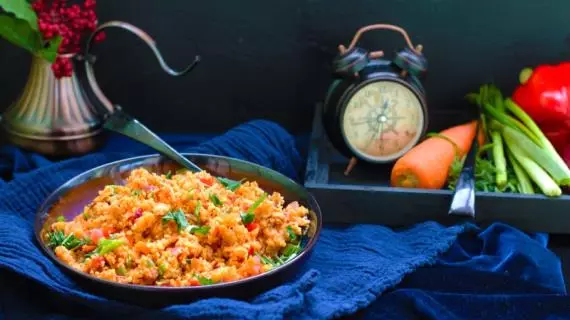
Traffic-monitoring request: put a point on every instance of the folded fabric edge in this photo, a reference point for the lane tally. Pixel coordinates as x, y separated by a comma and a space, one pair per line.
380, 287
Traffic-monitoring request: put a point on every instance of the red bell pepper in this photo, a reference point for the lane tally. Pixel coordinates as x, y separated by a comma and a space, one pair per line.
544, 94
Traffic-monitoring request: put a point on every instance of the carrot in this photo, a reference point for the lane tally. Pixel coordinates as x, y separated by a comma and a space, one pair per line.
426, 166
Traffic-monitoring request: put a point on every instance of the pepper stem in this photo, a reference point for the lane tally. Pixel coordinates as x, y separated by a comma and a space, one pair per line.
525, 75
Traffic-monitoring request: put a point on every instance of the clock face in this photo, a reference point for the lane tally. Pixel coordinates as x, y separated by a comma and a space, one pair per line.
382, 121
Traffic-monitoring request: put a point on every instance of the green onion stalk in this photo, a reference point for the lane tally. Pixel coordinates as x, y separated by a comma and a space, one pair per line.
520, 153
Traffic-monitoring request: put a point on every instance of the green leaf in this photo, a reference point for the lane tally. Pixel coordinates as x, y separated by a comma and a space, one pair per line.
55, 238
49, 53
247, 217
22, 10
19, 33
107, 245
230, 184
266, 260
205, 281
203, 230
169, 175
257, 203
70, 242
197, 210
121, 271
60, 218
288, 253
178, 217
161, 269
215, 200
292, 235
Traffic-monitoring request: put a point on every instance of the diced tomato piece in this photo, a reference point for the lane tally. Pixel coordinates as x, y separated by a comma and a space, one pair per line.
251, 226
96, 263
193, 282
107, 231
207, 180
251, 251
96, 235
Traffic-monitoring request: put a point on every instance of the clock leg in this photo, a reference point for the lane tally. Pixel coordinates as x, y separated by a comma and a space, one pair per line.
350, 166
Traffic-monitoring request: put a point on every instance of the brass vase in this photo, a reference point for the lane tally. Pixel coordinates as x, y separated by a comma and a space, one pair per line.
65, 117
53, 116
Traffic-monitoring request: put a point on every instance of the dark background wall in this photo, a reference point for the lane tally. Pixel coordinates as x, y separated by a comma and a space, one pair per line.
270, 59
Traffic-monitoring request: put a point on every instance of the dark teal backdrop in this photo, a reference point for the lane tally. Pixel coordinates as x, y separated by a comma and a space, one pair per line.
270, 59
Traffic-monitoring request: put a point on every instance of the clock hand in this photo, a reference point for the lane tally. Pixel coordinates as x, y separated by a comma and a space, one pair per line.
395, 118
380, 136
384, 107
372, 137
356, 123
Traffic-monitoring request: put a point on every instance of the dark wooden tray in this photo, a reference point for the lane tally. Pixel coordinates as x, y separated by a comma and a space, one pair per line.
366, 197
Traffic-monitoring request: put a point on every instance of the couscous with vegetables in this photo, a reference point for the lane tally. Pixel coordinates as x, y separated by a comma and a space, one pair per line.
181, 229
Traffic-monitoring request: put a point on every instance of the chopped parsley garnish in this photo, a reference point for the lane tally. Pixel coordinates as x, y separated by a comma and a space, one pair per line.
70, 242
292, 235
149, 263
178, 217
137, 193
290, 252
230, 184
168, 175
86, 215
205, 281
105, 246
197, 210
60, 218
161, 269
203, 230
257, 203
249, 216
215, 200
266, 260
121, 271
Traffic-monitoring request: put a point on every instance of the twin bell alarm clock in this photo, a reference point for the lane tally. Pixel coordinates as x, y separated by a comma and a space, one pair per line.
375, 110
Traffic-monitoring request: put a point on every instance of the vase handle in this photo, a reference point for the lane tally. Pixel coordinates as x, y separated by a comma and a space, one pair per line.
147, 39
89, 60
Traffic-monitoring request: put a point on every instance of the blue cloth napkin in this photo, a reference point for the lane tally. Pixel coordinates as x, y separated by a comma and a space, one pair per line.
355, 271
